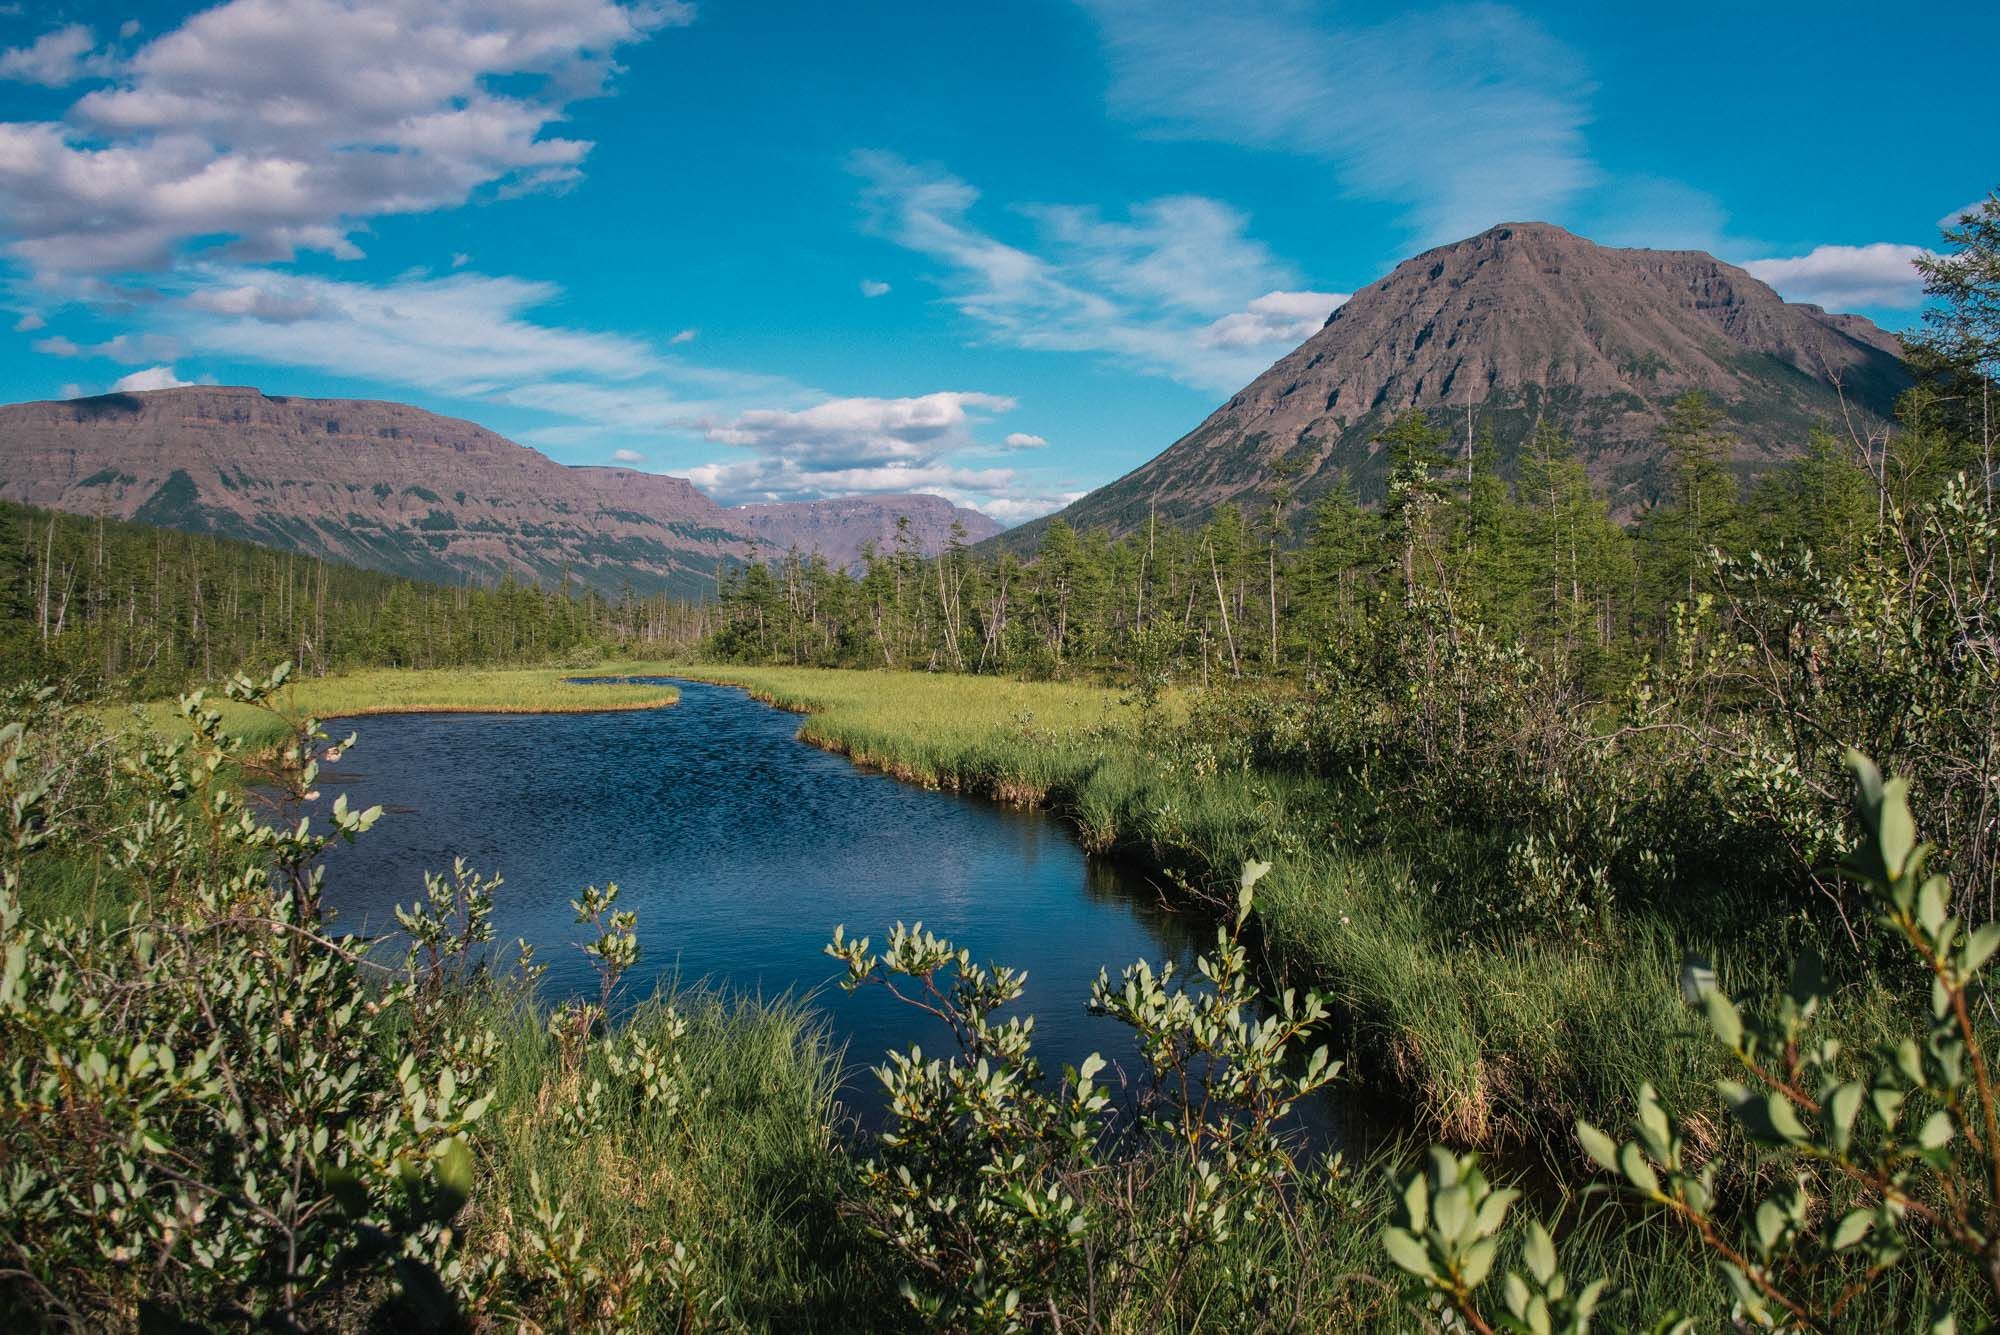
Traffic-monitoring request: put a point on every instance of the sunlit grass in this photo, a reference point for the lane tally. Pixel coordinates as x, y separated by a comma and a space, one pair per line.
408, 691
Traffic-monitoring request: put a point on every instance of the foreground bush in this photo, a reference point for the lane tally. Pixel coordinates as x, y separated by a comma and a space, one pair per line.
217, 1111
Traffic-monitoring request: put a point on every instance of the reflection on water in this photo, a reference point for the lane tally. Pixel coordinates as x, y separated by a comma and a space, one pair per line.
740, 848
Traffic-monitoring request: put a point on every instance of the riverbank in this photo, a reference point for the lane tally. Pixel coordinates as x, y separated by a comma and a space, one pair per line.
411, 691
1491, 1045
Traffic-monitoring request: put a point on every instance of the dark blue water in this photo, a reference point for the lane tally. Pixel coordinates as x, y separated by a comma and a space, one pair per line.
740, 848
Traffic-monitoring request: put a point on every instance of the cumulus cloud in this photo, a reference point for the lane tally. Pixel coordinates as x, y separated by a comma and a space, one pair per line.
153, 377
29, 322
1464, 116
459, 259
874, 287
1276, 317
58, 57
684, 336
1141, 290
1843, 277
285, 124
850, 445
1021, 440
627, 457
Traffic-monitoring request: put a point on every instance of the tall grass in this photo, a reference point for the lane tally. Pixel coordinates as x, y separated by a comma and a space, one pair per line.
1490, 1043
409, 691
746, 1176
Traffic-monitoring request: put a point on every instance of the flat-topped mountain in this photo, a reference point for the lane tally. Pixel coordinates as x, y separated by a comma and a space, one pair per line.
838, 529
1521, 321
393, 487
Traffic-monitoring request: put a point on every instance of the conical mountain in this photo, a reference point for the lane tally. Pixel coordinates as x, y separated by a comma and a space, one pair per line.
1523, 321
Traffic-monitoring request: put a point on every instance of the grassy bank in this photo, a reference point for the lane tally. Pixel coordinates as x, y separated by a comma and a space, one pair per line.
1490, 1043
405, 691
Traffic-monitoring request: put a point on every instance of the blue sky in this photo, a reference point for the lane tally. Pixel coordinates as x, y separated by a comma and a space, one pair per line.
998, 252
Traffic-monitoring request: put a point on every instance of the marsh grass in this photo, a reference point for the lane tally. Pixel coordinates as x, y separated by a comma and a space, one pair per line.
1496, 1042
746, 1175
409, 691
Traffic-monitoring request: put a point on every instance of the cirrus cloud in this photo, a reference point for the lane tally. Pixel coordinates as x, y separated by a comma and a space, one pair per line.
1171, 289
1464, 115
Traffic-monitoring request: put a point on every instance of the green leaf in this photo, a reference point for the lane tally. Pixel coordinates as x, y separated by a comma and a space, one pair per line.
1725, 1020
1842, 1107
1637, 1170
1253, 872
1408, 1253
1852, 1229
1979, 948
1539, 1251
1784, 1120
454, 1174
1697, 979
344, 1185
1936, 1131
1478, 1262
1600, 1147
1897, 831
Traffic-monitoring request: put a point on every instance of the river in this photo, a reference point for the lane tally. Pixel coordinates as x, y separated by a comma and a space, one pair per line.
740, 847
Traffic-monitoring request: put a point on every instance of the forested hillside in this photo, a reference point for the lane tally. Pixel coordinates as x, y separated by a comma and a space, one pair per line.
131, 610
1537, 556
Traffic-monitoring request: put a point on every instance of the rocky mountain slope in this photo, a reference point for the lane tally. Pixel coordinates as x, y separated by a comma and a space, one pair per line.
1521, 321
396, 488
838, 529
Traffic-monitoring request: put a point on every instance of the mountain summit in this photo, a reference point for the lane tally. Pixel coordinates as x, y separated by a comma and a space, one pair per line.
1523, 321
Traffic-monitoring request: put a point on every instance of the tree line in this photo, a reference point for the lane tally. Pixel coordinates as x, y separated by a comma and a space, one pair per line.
127, 609
1533, 551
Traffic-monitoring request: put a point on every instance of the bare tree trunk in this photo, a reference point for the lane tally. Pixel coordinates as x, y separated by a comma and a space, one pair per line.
1222, 603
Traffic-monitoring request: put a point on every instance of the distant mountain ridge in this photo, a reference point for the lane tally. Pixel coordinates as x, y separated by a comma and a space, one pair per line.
396, 488
1523, 321
839, 529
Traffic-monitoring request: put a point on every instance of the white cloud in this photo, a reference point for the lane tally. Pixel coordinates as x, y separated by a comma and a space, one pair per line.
72, 390
58, 57
475, 336
851, 445
130, 349
459, 259
153, 377
684, 336
874, 287
1950, 220
467, 333
130, 28
285, 124
257, 301
1012, 510
1844, 277
1021, 440
1289, 318
627, 457
1465, 116
29, 322
1141, 290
